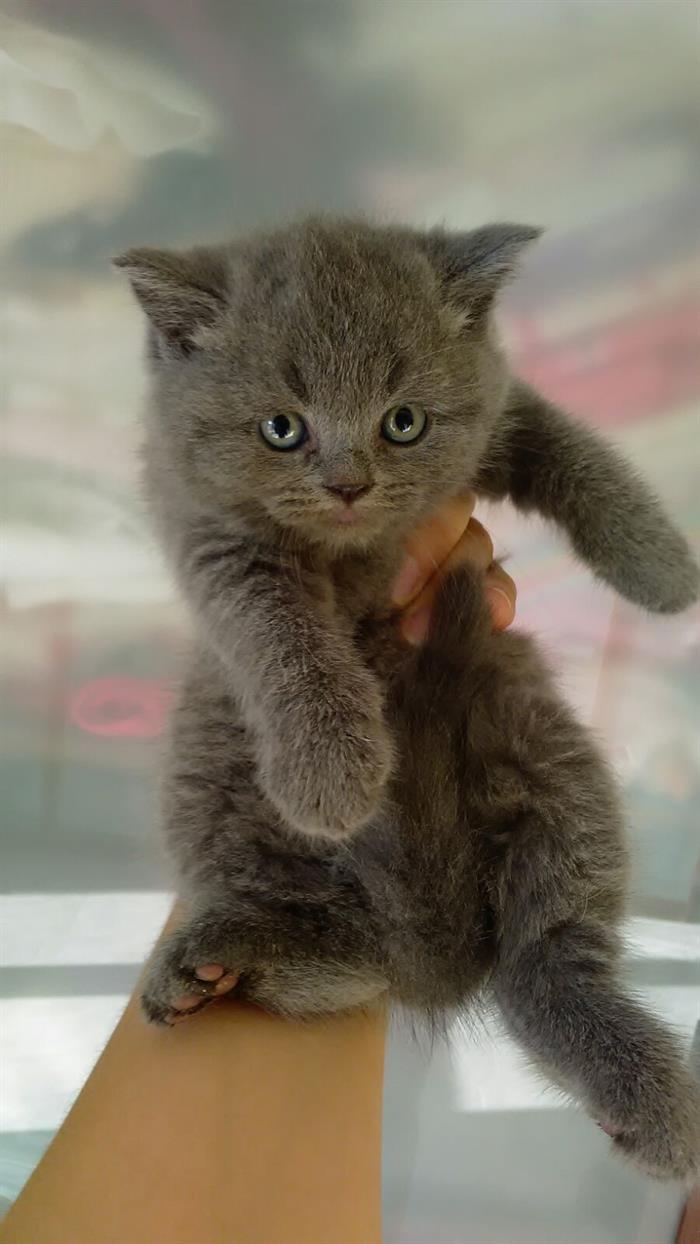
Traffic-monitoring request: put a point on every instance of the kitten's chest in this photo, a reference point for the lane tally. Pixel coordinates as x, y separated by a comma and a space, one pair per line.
362, 583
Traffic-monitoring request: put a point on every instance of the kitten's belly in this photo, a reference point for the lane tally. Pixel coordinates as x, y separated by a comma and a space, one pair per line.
423, 880
414, 866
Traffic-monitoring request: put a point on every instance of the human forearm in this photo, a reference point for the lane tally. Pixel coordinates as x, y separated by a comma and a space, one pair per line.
239, 1127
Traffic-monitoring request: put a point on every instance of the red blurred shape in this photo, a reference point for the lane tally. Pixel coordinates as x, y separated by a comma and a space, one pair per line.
121, 707
628, 369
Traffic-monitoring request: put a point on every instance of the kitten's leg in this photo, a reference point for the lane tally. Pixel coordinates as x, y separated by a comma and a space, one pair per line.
554, 862
562, 1002
299, 958
560, 882
545, 461
289, 918
299, 683
554, 850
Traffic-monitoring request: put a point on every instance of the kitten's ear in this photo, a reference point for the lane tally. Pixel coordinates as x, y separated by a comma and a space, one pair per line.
474, 265
180, 291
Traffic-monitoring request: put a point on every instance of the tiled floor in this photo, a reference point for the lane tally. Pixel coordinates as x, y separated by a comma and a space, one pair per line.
147, 123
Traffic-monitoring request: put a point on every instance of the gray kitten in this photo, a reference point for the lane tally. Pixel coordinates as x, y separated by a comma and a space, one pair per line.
349, 816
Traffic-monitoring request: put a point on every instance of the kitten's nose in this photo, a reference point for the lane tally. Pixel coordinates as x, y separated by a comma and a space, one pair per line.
347, 492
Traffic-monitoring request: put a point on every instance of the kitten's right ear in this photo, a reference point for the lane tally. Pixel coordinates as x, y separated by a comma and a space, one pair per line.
180, 291
474, 265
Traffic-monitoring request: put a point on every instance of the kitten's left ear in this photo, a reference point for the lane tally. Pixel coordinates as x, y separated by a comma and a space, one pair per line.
474, 265
180, 291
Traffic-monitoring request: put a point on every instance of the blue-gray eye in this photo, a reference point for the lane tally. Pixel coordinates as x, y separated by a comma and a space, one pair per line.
284, 431
403, 424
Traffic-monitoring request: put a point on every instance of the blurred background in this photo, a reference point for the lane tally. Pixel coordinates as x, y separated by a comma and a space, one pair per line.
170, 122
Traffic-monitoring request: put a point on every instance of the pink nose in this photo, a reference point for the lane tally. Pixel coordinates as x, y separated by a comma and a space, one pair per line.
347, 492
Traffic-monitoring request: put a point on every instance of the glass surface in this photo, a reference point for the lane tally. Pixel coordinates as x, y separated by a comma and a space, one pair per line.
169, 123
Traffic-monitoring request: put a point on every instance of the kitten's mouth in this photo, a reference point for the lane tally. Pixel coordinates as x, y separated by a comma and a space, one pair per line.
344, 523
352, 519
350, 524
345, 515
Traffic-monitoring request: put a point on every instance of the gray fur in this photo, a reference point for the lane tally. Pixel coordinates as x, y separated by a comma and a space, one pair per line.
348, 816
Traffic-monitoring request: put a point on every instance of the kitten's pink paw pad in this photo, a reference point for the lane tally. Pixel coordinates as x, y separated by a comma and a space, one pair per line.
209, 972
186, 1001
609, 1129
225, 983
215, 983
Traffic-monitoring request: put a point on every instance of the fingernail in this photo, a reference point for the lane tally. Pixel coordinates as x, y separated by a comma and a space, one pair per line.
415, 626
501, 607
407, 582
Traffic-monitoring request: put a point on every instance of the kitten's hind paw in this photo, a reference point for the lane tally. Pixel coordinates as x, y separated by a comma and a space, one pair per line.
664, 1139
663, 1156
174, 990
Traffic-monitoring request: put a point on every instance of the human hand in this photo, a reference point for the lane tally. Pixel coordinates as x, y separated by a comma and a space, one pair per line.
448, 539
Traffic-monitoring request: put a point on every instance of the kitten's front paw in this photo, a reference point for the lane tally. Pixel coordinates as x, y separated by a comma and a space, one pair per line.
663, 576
656, 1123
326, 773
674, 587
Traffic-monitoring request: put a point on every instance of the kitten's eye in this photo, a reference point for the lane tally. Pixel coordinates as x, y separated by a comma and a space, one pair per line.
403, 424
284, 431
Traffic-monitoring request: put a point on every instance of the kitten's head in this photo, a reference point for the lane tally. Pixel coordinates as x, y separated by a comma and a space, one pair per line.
335, 378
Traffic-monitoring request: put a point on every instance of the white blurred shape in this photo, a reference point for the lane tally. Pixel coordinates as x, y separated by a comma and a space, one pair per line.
59, 929
72, 94
47, 1049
